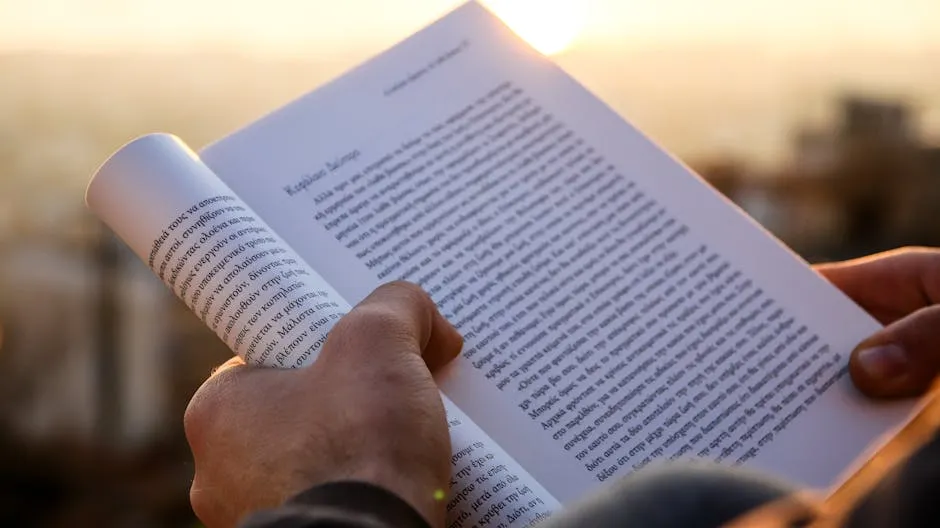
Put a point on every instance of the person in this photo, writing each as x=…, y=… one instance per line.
x=359, y=438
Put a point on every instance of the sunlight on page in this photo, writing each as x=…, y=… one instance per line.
x=550, y=26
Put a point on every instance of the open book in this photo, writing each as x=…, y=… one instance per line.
x=616, y=310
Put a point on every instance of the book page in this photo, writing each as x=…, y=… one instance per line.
x=488, y=487
x=236, y=274
x=616, y=310
x=267, y=305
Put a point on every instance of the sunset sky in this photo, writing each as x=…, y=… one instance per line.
x=293, y=26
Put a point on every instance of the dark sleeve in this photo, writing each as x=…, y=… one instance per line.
x=340, y=505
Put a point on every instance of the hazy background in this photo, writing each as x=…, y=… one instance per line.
x=820, y=117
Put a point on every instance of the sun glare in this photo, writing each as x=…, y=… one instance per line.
x=550, y=26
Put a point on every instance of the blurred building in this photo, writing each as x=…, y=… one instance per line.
x=98, y=361
x=867, y=182
x=56, y=343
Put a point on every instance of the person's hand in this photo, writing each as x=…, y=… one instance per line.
x=366, y=410
x=902, y=290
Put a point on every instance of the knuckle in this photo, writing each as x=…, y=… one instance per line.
x=376, y=320
x=402, y=285
x=928, y=257
x=204, y=408
x=915, y=249
x=200, y=502
x=194, y=422
x=413, y=292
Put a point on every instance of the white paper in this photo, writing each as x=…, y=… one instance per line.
x=215, y=253
x=361, y=146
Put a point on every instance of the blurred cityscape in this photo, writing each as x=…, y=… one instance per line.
x=864, y=183
x=98, y=361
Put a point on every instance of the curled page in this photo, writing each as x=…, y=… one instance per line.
x=214, y=252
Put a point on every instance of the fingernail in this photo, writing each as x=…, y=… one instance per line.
x=884, y=363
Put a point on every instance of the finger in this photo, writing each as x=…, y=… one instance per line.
x=396, y=316
x=444, y=344
x=889, y=285
x=902, y=359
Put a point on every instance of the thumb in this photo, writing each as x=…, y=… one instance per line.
x=394, y=314
x=900, y=360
